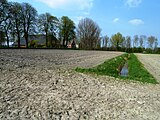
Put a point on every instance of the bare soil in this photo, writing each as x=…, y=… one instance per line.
x=151, y=63
x=42, y=85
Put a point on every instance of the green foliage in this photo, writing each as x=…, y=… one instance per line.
x=109, y=67
x=137, y=50
x=137, y=71
x=33, y=43
x=158, y=51
x=117, y=40
x=40, y=46
x=66, y=30
x=52, y=41
x=151, y=41
x=48, y=24
x=21, y=19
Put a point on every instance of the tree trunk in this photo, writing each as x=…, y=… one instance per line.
x=46, y=39
x=19, y=40
x=66, y=44
x=7, y=39
x=26, y=38
x=18, y=33
x=117, y=46
x=64, y=39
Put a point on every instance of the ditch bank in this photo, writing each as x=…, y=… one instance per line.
x=126, y=67
x=124, y=70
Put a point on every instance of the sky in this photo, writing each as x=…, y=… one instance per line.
x=129, y=17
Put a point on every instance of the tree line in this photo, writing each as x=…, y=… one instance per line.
x=19, y=20
x=136, y=44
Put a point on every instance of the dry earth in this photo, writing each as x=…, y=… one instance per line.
x=42, y=85
x=151, y=63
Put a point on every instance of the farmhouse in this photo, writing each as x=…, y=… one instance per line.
x=73, y=44
x=40, y=41
x=36, y=40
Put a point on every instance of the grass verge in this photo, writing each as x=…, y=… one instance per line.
x=111, y=68
x=138, y=72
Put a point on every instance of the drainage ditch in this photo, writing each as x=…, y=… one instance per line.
x=124, y=70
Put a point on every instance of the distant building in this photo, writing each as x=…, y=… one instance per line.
x=72, y=44
x=36, y=39
x=39, y=38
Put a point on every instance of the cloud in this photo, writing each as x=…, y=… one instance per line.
x=133, y=3
x=116, y=20
x=136, y=22
x=69, y=4
x=77, y=19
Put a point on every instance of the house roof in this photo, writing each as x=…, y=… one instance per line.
x=40, y=38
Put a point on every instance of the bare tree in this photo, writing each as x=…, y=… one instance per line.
x=142, y=40
x=3, y=10
x=105, y=40
x=151, y=41
x=47, y=24
x=135, y=41
x=16, y=15
x=123, y=44
x=156, y=44
x=29, y=15
x=128, y=42
x=7, y=27
x=5, y=20
x=88, y=33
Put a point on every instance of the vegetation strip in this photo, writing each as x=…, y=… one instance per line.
x=113, y=67
x=138, y=72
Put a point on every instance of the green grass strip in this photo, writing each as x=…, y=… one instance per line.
x=111, y=68
x=138, y=72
